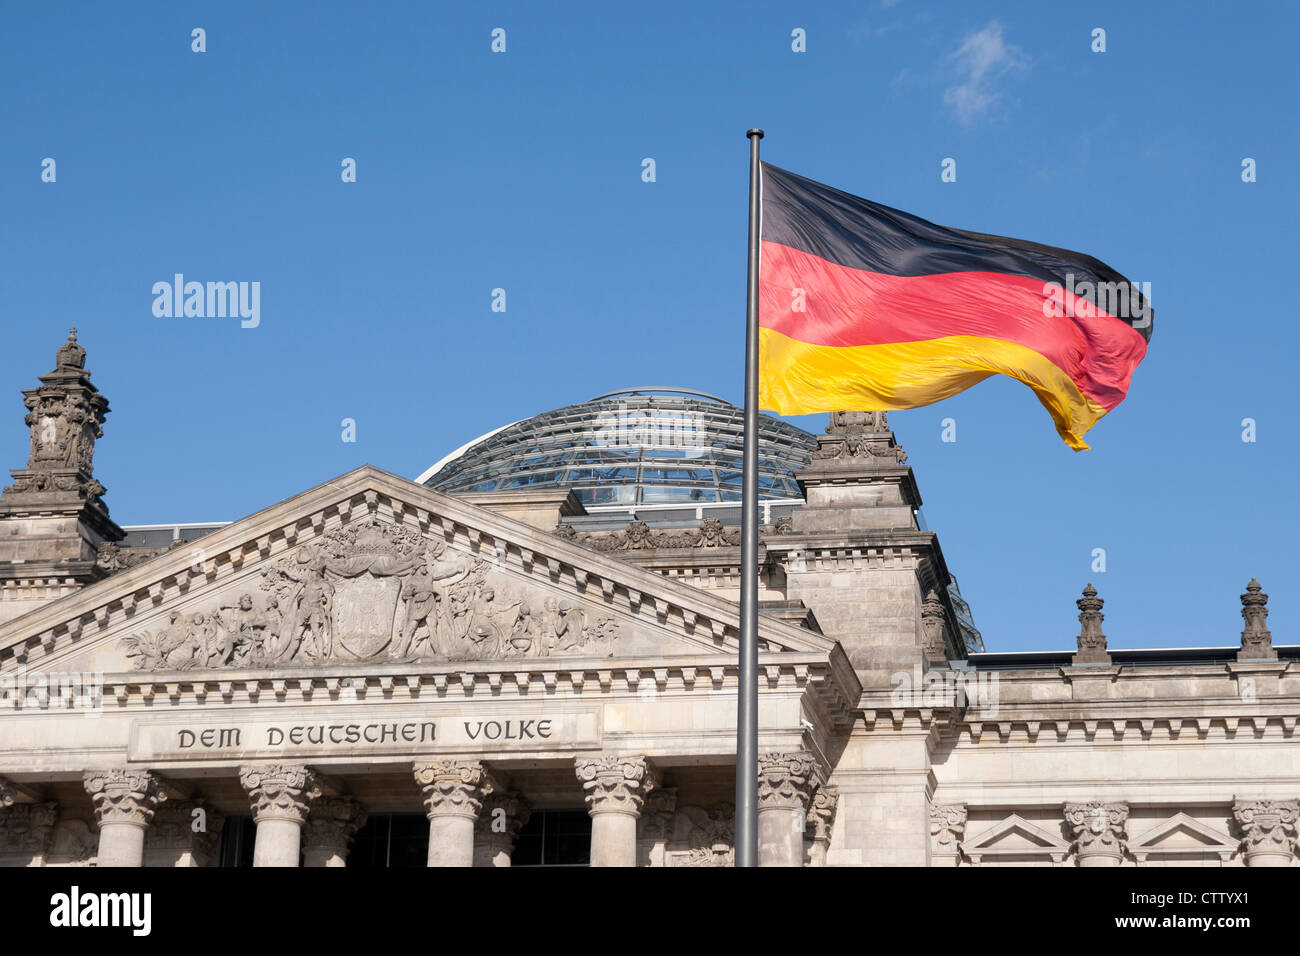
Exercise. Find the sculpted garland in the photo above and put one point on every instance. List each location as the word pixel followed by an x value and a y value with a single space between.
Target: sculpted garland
pixel 369 592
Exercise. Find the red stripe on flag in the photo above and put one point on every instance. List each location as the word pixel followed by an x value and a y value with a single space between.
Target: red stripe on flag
pixel 846 307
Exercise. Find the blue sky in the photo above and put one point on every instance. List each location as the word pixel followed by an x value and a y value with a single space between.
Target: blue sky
pixel 522 170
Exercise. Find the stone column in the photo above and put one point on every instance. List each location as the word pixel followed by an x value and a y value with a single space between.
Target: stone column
pixel 497 826
pixel 280 796
pixel 947 827
pixel 184 833
pixel 785 785
pixel 614 788
pixel 1098 830
pixel 25 830
pixel 1269 830
pixel 125 801
pixel 331 825
pixel 655 827
pixel 453 791
pixel 821 820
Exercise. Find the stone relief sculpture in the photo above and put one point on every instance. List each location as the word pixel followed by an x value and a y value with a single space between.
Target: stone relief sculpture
pixel 639 536
pixel 366 592
pixel 703 836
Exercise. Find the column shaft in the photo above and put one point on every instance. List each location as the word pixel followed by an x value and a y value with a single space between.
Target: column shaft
pixel 453 791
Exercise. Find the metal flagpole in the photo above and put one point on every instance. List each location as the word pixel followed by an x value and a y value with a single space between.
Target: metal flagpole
pixel 747 692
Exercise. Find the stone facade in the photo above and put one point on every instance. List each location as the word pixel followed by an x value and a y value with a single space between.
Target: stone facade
pixel 371 647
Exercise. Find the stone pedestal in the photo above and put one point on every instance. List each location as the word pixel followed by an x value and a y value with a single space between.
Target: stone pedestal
pixel 615 789
pixel 1269 830
pixel 331 825
pixel 453 792
pixel 1098 830
pixel 785 785
pixel 497 828
pixel 125 801
pixel 280 796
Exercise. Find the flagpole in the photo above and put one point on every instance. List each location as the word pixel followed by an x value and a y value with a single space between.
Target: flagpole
pixel 747 691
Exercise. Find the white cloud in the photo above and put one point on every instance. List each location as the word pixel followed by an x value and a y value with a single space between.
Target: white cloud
pixel 983 58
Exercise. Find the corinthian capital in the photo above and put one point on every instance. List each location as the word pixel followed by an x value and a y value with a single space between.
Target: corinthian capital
pixel 1268 827
pixel 947 827
pixel 1098 828
pixel 454 787
pixel 8 793
pixel 786 780
pixel 332 822
pixel 614 784
pixel 124 796
pixel 279 791
pixel 821 815
pixel 502 817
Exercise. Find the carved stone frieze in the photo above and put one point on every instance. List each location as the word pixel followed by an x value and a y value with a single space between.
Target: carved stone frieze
pixel 454 787
pixel 25 828
pixel 1098 828
pixel 279 791
pixel 703 836
pixel 639 536
pixel 372 591
pixel 786 780
pixel 614 784
pixel 1268 828
pixel 124 796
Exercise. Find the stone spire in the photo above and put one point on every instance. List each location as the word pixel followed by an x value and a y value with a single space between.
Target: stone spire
pixel 52 518
pixel 1256 639
pixel 1092 642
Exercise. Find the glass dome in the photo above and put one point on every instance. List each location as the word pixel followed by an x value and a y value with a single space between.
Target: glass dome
pixel 646 446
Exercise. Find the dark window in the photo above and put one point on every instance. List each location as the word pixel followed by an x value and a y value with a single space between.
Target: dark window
pixel 237 836
pixel 554 838
pixel 391 840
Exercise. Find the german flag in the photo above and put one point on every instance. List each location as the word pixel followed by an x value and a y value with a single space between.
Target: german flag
pixel 866 307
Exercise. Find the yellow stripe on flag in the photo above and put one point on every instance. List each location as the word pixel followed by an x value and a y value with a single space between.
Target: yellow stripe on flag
pixel 796 378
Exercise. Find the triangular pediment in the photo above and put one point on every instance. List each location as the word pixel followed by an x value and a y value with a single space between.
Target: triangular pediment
pixel 1015 838
pixel 372 568
pixel 1182 834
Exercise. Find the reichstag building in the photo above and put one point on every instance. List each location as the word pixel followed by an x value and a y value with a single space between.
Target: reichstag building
pixel 527 656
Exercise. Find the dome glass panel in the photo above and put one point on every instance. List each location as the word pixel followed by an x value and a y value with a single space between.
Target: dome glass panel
pixel 635 447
